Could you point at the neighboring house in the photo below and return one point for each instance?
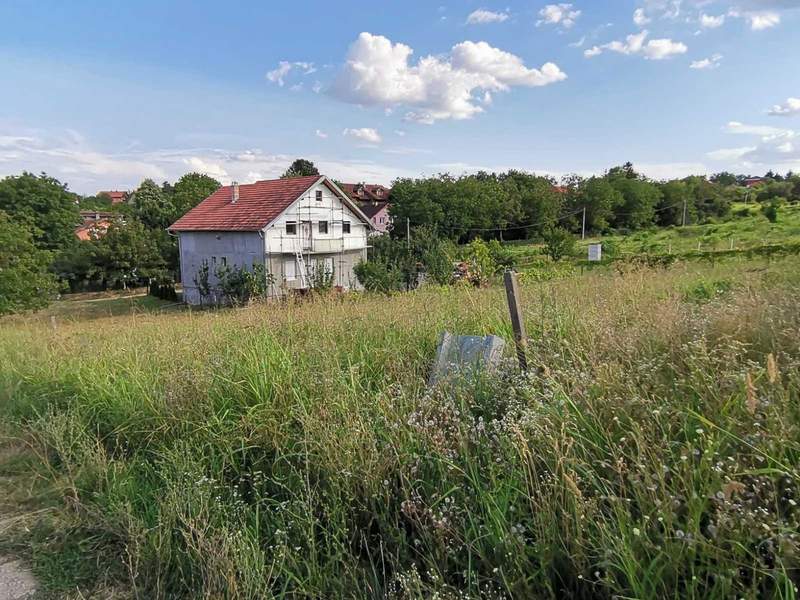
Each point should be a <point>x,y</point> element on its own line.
<point>95,224</point>
<point>753,182</point>
<point>373,199</point>
<point>117,197</point>
<point>378,213</point>
<point>291,226</point>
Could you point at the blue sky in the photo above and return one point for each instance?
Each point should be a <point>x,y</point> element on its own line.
<point>103,94</point>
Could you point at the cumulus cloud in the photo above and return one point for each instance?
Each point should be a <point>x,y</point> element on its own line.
<point>321,134</point>
<point>711,22</point>
<point>788,108</point>
<point>640,18</point>
<point>558,14</point>
<point>775,146</point>
<point>378,72</point>
<point>762,19</point>
<point>281,72</point>
<point>707,63</point>
<point>365,134</point>
<point>482,16</point>
<point>634,44</point>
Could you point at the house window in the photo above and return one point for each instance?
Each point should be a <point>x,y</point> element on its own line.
<point>213,261</point>
<point>291,228</point>
<point>328,266</point>
<point>224,261</point>
<point>346,227</point>
<point>323,227</point>
<point>319,195</point>
<point>290,269</point>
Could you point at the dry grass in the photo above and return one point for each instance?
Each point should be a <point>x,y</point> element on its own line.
<point>293,450</point>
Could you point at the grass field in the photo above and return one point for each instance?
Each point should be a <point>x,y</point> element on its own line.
<point>746,229</point>
<point>294,451</point>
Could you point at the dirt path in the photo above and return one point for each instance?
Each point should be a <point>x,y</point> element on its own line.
<point>16,581</point>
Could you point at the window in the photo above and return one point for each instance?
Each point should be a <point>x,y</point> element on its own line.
<point>213,261</point>
<point>319,195</point>
<point>346,227</point>
<point>323,227</point>
<point>291,228</point>
<point>290,269</point>
<point>328,266</point>
<point>224,261</point>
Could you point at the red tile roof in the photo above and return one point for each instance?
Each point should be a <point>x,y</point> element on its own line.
<point>258,205</point>
<point>366,191</point>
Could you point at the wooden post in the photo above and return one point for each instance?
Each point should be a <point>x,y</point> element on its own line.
<point>517,323</point>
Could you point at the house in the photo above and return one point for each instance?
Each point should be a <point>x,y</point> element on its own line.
<point>297,228</point>
<point>373,199</point>
<point>95,224</point>
<point>752,182</point>
<point>116,196</point>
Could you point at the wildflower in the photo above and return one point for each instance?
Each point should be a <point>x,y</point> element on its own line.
<point>636,532</point>
<point>772,368</point>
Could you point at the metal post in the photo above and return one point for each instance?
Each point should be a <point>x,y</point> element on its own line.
<point>583,226</point>
<point>517,323</point>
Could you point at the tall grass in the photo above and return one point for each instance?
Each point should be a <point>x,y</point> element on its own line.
<point>294,450</point>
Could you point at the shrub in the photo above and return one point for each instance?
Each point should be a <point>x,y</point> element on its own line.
<point>559,243</point>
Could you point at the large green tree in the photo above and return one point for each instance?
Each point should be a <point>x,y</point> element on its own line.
<point>127,255</point>
<point>300,168</point>
<point>190,190</point>
<point>25,282</point>
<point>44,206</point>
<point>152,206</point>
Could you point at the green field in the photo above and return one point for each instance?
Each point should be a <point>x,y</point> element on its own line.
<point>747,229</point>
<point>293,450</point>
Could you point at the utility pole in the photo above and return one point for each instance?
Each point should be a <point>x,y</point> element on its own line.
<point>583,226</point>
<point>683,221</point>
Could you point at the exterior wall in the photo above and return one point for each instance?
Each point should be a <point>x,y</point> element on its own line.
<point>381,220</point>
<point>342,262</point>
<point>308,209</point>
<point>240,249</point>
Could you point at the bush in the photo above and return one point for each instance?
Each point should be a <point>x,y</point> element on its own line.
<point>770,210</point>
<point>559,243</point>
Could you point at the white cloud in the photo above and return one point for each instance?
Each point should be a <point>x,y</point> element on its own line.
<point>377,72</point>
<point>762,19</point>
<point>482,16</point>
<point>365,134</point>
<point>640,18</point>
<point>790,107</point>
<point>317,87</point>
<point>281,72</point>
<point>711,22</point>
<point>658,49</point>
<point>558,14</point>
<point>761,130</point>
<point>87,169</point>
<point>399,132</point>
<point>779,148</point>
<point>707,63</point>
<point>578,43</point>
<point>321,134</point>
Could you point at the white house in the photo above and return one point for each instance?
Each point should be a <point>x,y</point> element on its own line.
<point>294,227</point>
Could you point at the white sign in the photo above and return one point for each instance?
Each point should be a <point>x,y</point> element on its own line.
<point>595,252</point>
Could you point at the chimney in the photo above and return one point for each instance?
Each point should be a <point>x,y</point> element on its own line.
<point>235,198</point>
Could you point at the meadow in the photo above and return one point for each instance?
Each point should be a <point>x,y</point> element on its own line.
<point>294,450</point>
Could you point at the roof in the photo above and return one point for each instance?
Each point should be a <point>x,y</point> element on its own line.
<point>115,195</point>
<point>372,208</point>
<point>258,205</point>
<point>366,191</point>
<point>93,230</point>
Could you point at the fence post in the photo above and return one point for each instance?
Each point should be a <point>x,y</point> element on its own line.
<point>517,323</point>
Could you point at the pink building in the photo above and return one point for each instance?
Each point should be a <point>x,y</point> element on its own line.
<point>373,200</point>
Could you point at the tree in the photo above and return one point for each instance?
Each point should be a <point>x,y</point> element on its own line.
<point>25,282</point>
<point>128,255</point>
<point>559,243</point>
<point>44,206</point>
<point>189,191</point>
<point>674,194</point>
<point>723,178</point>
<point>151,206</point>
<point>300,168</point>
<point>640,198</point>
<point>597,196</point>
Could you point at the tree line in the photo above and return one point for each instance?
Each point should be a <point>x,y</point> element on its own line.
<point>518,205</point>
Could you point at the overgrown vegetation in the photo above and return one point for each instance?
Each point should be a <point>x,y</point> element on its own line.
<point>294,451</point>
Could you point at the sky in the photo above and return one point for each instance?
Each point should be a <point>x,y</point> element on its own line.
<point>104,94</point>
